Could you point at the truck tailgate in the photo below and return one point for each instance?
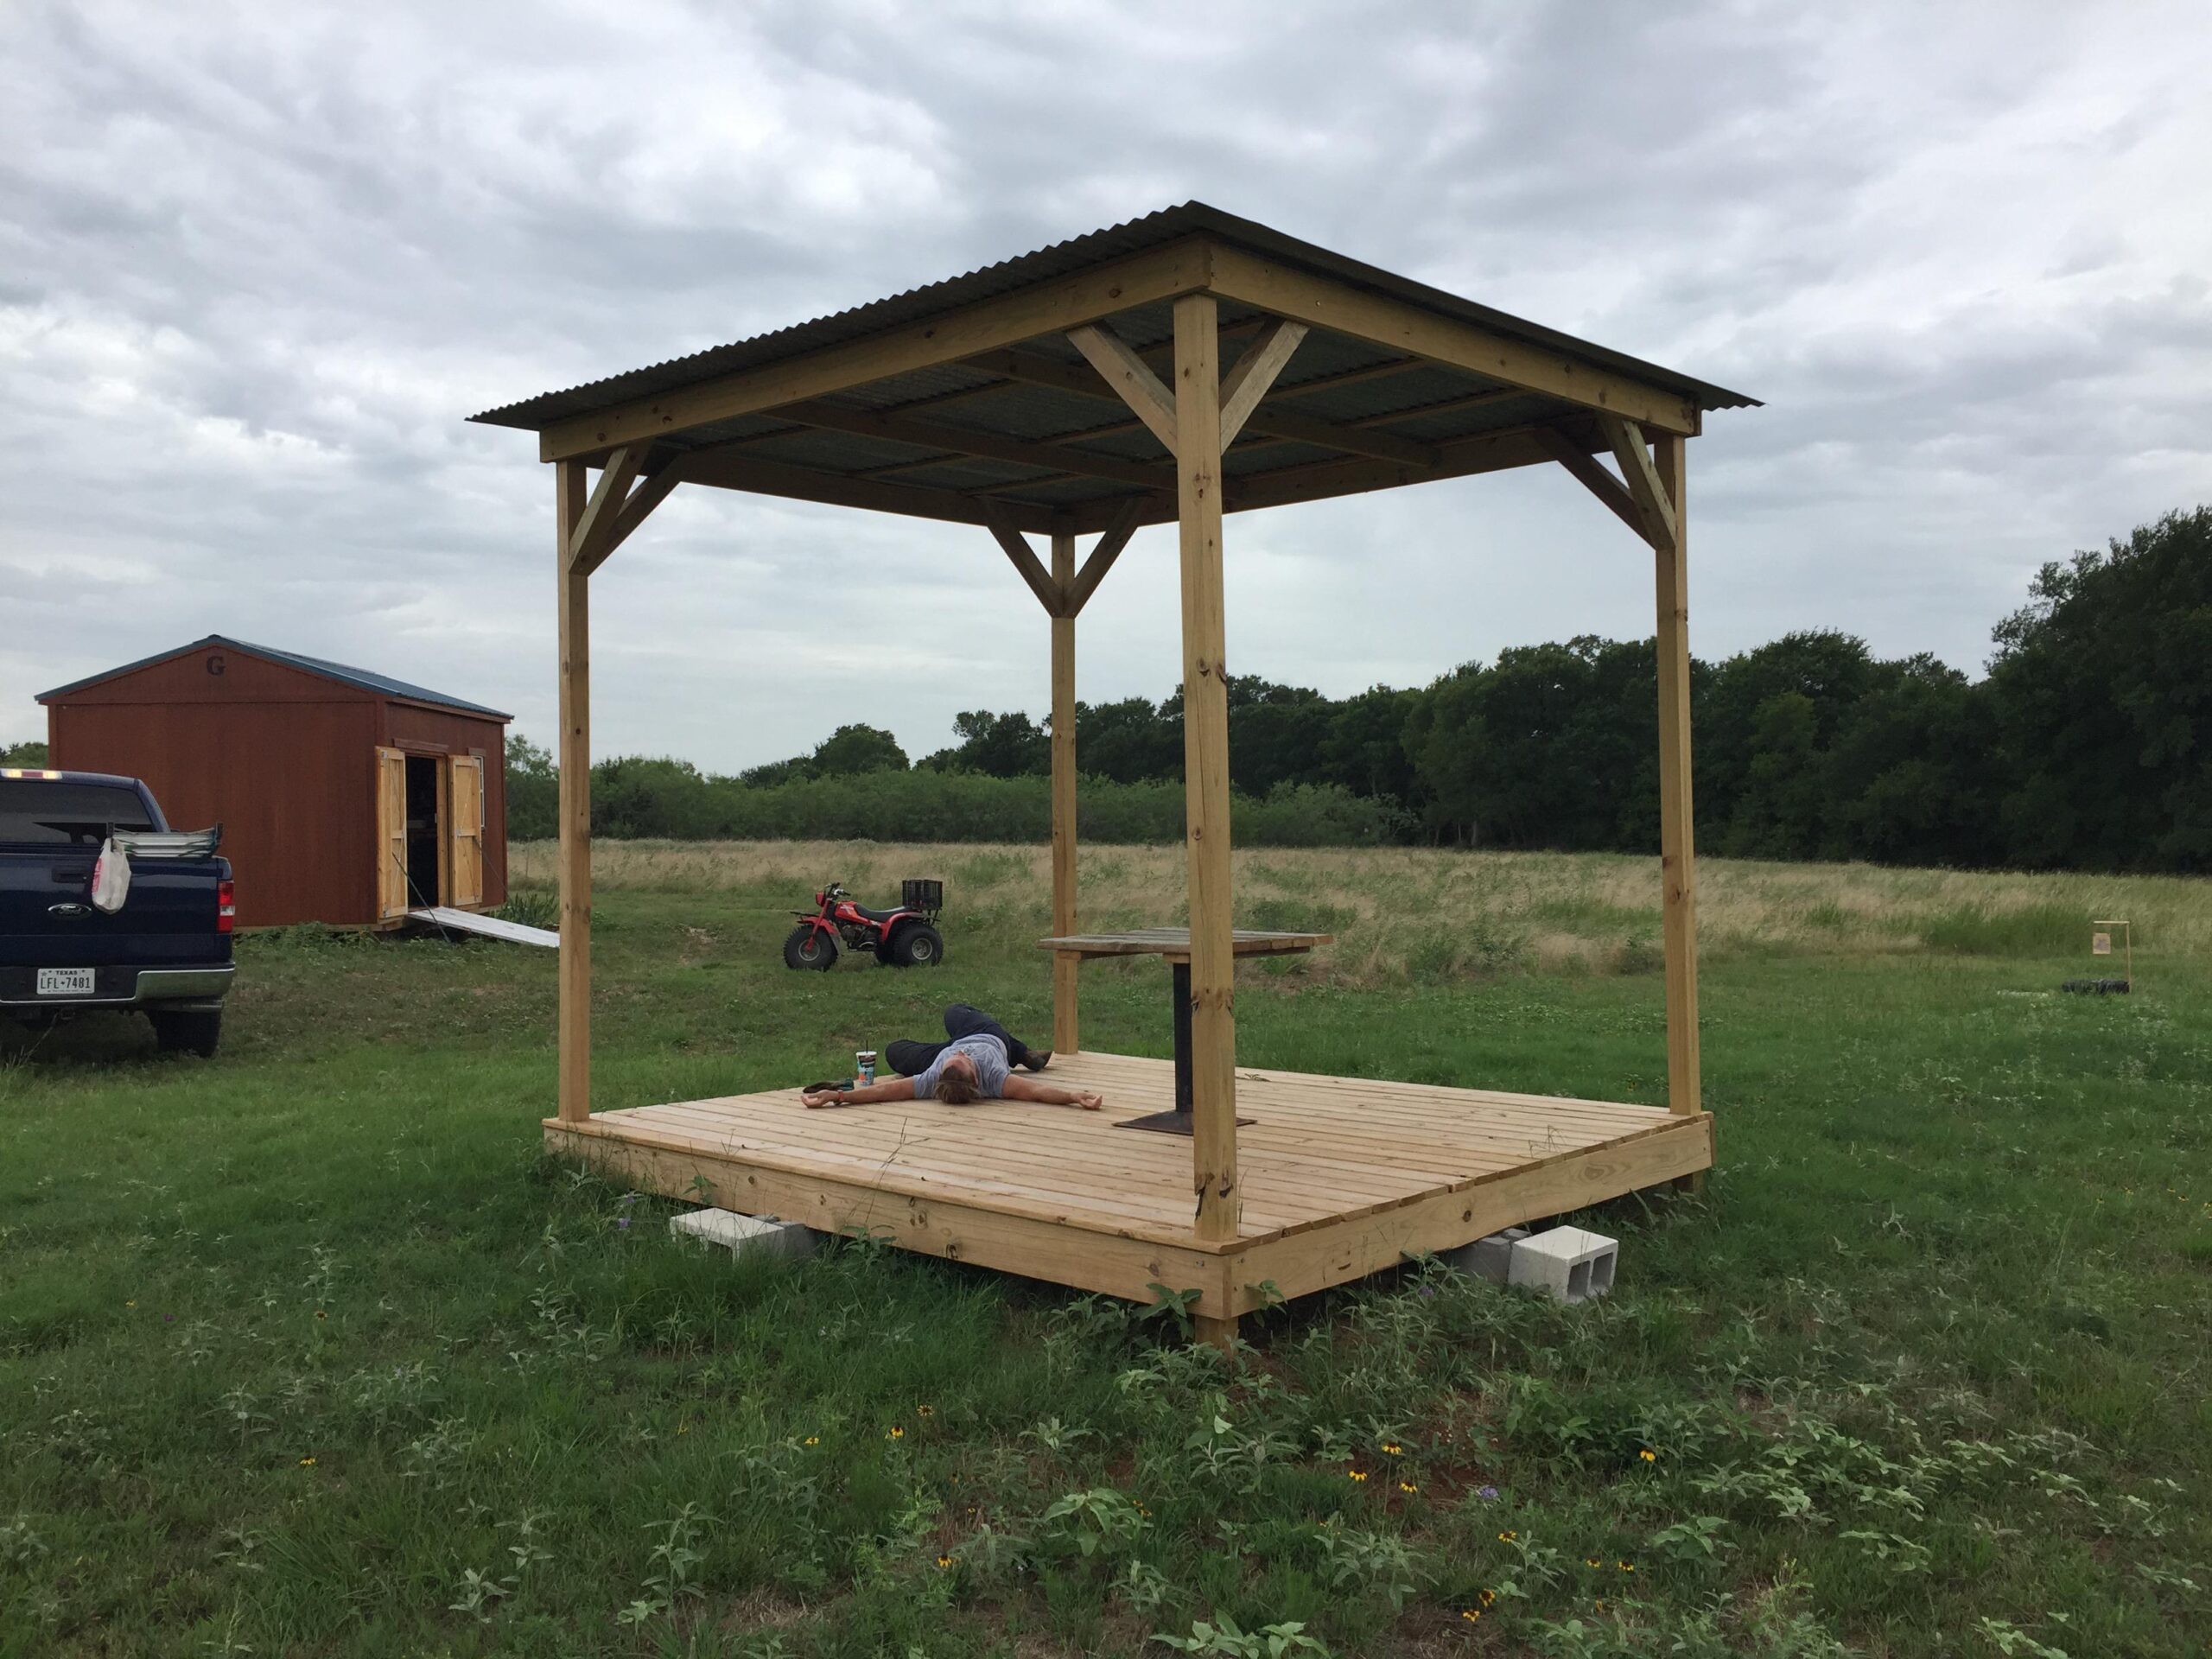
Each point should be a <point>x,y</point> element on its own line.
<point>47,918</point>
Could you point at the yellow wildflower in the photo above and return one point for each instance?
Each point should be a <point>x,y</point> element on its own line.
<point>896,1434</point>
<point>307,1463</point>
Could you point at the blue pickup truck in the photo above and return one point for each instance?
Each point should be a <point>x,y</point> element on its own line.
<point>165,953</point>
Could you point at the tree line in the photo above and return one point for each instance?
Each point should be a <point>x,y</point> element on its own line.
<point>2088,744</point>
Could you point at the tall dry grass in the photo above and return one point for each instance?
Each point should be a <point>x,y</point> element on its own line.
<point>1420,912</point>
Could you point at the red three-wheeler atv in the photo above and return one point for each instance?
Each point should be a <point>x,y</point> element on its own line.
<point>905,938</point>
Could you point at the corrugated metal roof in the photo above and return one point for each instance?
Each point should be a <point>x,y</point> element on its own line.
<point>360,678</point>
<point>535,414</point>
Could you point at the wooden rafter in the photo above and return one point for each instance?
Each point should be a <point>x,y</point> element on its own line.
<point>1332,434</point>
<point>1397,325</point>
<point>1385,370</point>
<point>1035,369</point>
<point>761,477</point>
<point>1130,378</point>
<point>1486,452</point>
<point>1443,406</point>
<point>1250,440</point>
<point>1049,308</point>
<point>961,441</point>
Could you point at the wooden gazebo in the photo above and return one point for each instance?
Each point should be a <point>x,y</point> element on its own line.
<point>1181,367</point>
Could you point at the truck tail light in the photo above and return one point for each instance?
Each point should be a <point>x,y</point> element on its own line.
<point>226,905</point>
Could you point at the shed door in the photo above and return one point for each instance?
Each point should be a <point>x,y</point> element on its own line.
<point>391,833</point>
<point>465,810</point>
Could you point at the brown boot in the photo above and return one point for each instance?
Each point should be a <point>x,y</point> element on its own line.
<point>1039,1059</point>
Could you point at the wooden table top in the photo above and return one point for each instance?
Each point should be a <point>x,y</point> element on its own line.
<point>1174,943</point>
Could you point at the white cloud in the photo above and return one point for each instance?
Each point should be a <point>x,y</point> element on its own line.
<point>256,264</point>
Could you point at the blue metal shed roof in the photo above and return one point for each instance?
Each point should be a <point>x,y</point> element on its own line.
<point>359,679</point>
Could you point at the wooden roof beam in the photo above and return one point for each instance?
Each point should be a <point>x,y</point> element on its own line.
<point>961,441</point>
<point>1035,369</point>
<point>759,477</point>
<point>1398,325</point>
<point>1161,273</point>
<point>1486,452</point>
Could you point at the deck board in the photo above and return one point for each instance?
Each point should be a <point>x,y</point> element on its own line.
<point>1338,1174</point>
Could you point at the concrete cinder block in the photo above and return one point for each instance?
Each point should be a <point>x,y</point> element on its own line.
<point>1566,1263</point>
<point>735,1232</point>
<point>1486,1258</point>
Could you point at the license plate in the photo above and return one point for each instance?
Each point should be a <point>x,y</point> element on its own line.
<point>64,982</point>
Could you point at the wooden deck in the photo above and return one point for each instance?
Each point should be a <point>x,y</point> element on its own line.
<point>1341,1176</point>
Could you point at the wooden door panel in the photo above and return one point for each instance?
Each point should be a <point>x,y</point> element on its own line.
<point>466,837</point>
<point>391,833</point>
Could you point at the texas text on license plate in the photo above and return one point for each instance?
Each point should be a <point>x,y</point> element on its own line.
<point>64,982</point>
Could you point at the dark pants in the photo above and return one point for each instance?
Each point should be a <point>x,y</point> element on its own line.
<point>910,1058</point>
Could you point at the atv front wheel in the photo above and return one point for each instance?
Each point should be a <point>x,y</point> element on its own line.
<point>810,947</point>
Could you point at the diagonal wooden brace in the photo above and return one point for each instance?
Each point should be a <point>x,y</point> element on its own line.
<point>1111,541</point>
<point>1591,475</point>
<point>636,509</point>
<point>1253,373</point>
<point>1129,375</point>
<point>607,501</point>
<point>1642,476</point>
<point>1025,558</point>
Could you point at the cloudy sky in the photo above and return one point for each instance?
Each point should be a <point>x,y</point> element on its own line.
<point>256,264</point>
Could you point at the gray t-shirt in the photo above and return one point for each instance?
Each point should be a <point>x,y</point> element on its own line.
<point>988,1052</point>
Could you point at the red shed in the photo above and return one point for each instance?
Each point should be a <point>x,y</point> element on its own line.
<point>345,797</point>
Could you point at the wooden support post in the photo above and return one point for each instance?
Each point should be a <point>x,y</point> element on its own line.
<point>1677,854</point>
<point>1215,1333</point>
<point>570,497</point>
<point>1205,767</point>
<point>1066,966</point>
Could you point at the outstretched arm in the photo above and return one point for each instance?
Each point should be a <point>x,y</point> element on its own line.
<point>889,1089</point>
<point>1021,1088</point>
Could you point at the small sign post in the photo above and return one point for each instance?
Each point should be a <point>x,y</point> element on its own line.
<point>2100,945</point>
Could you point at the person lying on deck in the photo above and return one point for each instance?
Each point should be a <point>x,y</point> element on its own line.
<point>976,1061</point>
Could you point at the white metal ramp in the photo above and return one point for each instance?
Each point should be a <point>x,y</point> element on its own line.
<point>468,921</point>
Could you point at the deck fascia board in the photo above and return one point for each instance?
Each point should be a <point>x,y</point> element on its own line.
<point>1331,1195</point>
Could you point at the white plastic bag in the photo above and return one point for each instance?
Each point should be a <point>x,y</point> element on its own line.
<point>111,879</point>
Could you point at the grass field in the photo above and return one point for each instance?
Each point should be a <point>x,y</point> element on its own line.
<point>306,1349</point>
